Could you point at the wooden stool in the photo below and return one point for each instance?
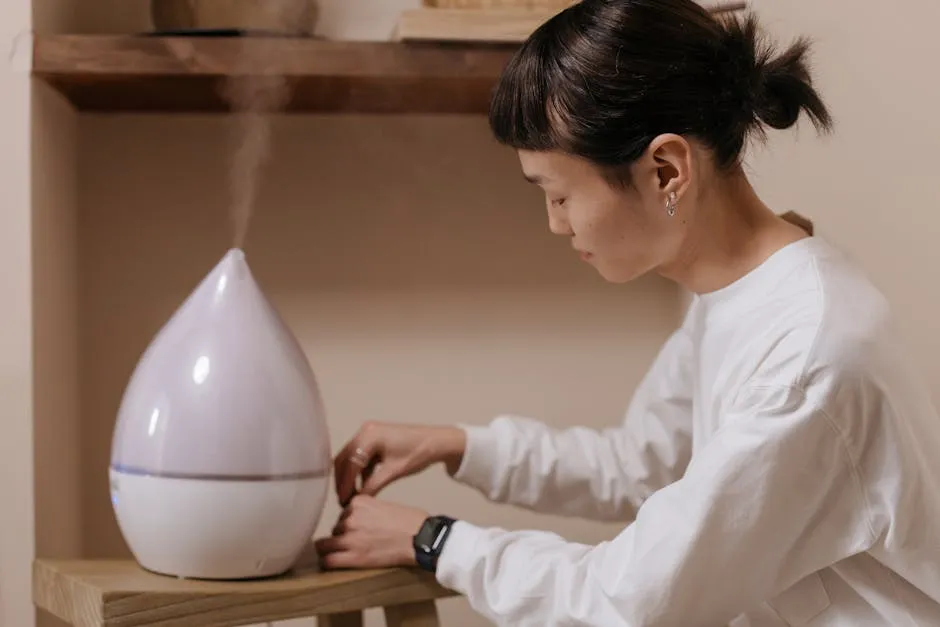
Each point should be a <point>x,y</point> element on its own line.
<point>111,593</point>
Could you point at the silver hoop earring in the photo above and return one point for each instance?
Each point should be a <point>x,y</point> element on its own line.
<point>671,204</point>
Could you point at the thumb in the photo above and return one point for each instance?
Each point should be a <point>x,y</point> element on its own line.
<point>381,476</point>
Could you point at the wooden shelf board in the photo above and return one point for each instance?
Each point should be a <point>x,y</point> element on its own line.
<point>130,73</point>
<point>494,21</point>
<point>496,25</point>
<point>118,593</point>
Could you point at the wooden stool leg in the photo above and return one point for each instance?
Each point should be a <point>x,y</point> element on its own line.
<point>420,614</point>
<point>346,619</point>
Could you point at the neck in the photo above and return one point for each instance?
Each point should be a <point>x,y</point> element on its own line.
<point>731,233</point>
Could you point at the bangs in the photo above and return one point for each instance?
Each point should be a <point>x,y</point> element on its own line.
<point>525,111</point>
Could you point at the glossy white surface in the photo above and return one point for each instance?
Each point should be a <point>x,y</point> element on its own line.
<point>216,529</point>
<point>223,391</point>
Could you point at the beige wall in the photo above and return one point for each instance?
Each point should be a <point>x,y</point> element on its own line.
<point>56,450</point>
<point>424,287</point>
<point>16,461</point>
<point>57,459</point>
<point>371,242</point>
<point>56,426</point>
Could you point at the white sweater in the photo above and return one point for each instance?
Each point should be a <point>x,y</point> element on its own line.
<point>779,465</point>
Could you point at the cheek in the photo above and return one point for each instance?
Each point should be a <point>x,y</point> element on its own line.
<point>608,225</point>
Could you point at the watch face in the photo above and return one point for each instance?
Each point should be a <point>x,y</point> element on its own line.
<point>429,536</point>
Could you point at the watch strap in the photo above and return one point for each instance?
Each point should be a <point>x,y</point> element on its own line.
<point>435,530</point>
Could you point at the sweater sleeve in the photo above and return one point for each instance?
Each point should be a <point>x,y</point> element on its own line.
<point>772,498</point>
<point>598,474</point>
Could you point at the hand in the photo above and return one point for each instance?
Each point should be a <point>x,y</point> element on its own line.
<point>381,453</point>
<point>372,534</point>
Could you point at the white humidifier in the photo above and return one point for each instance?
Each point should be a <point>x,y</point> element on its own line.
<point>221,458</point>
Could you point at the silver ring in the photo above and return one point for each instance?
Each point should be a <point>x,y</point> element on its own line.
<point>360,458</point>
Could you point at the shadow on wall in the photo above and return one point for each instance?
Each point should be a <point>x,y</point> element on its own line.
<point>409,256</point>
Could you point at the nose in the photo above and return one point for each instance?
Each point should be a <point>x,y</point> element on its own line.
<point>557,222</point>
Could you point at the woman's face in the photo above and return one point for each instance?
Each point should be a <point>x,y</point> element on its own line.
<point>624,232</point>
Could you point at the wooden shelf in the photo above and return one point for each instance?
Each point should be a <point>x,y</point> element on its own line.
<point>100,593</point>
<point>130,73</point>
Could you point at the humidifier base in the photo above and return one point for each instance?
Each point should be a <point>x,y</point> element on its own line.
<point>217,528</point>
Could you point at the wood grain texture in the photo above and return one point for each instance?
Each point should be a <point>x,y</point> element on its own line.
<point>420,614</point>
<point>106,73</point>
<point>498,25</point>
<point>345,619</point>
<point>499,4</point>
<point>492,21</point>
<point>118,593</point>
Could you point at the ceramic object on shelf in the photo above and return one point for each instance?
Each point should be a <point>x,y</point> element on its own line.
<point>220,457</point>
<point>279,17</point>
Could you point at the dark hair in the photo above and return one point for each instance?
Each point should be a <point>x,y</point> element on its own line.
<point>602,78</point>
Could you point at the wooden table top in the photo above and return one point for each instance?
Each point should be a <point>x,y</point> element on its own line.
<point>119,593</point>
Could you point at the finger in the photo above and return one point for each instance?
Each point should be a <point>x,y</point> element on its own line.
<point>331,544</point>
<point>367,472</point>
<point>349,467</point>
<point>340,552</point>
<point>340,527</point>
<point>342,457</point>
<point>341,518</point>
<point>381,476</point>
<point>343,559</point>
<point>341,461</point>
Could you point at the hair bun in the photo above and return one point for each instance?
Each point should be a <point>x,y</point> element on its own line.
<point>771,88</point>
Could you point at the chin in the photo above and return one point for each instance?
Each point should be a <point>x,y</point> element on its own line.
<point>619,275</point>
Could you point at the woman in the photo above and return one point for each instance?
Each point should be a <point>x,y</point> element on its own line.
<point>779,464</point>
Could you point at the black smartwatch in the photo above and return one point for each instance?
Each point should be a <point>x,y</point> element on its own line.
<point>429,541</point>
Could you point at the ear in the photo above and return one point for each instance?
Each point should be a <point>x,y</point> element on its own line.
<point>671,156</point>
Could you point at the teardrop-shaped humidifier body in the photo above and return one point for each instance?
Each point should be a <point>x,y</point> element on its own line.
<point>220,460</point>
